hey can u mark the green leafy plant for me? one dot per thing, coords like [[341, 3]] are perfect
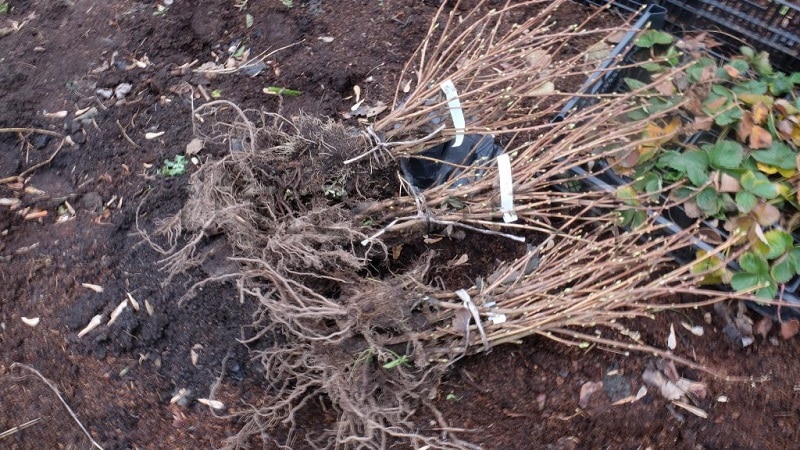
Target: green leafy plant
[[723, 139], [174, 167], [287, 3], [3, 7]]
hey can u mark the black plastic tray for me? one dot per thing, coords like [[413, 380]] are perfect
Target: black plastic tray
[[605, 79], [769, 25]]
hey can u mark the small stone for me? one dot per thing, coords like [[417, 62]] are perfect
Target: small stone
[[105, 93], [40, 141], [122, 90]]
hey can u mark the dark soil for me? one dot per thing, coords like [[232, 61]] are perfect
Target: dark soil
[[120, 379]]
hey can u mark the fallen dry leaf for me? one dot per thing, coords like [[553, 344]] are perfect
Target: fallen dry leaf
[[760, 138], [763, 327], [94, 323], [789, 328]]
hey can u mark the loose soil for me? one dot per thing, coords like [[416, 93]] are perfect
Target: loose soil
[[120, 380]]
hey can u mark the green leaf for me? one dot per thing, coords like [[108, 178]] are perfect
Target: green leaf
[[740, 65], [756, 87], [634, 84], [693, 164], [652, 37], [248, 20], [758, 184], [729, 116], [752, 263], [794, 257], [780, 85], [724, 154], [709, 202], [743, 281], [745, 201], [761, 64], [795, 78], [747, 52], [779, 155], [778, 243], [695, 71], [175, 167], [649, 183], [782, 270]]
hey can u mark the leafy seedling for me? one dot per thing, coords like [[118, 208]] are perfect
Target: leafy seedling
[[174, 167]]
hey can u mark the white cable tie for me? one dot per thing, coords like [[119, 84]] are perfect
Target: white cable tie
[[456, 113], [506, 188]]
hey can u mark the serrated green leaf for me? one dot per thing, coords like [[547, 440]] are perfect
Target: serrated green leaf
[[778, 243], [752, 263], [652, 37], [780, 85], [747, 52], [779, 155], [729, 116], [761, 64], [693, 163], [709, 202], [758, 87], [724, 154], [782, 270], [759, 185], [740, 65], [634, 84], [795, 78], [745, 201], [743, 281]]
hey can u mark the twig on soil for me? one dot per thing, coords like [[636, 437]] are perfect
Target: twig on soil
[[63, 402], [35, 166], [19, 428], [31, 130], [125, 135]]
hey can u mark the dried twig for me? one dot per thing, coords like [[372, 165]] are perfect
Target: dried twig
[[63, 402]]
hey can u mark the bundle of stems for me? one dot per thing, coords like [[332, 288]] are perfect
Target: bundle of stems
[[548, 169], [509, 77]]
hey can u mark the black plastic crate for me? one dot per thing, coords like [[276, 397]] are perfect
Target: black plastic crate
[[605, 79], [769, 25]]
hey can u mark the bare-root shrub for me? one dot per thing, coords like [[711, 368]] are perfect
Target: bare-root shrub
[[371, 345]]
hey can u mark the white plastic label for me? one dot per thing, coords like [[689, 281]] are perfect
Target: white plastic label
[[454, 104], [506, 188]]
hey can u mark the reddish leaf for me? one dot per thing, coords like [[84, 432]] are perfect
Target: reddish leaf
[[766, 214], [789, 328], [745, 127], [760, 138]]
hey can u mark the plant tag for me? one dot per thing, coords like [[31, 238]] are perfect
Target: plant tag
[[454, 104], [506, 188]]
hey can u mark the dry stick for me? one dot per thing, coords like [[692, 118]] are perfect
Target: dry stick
[[125, 135], [63, 402], [36, 166], [19, 428], [31, 130]]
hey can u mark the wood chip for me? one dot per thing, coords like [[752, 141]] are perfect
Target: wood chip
[[94, 323], [32, 322], [155, 135], [672, 341], [216, 404], [134, 303], [94, 287], [692, 409], [148, 308], [117, 311], [182, 393]]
